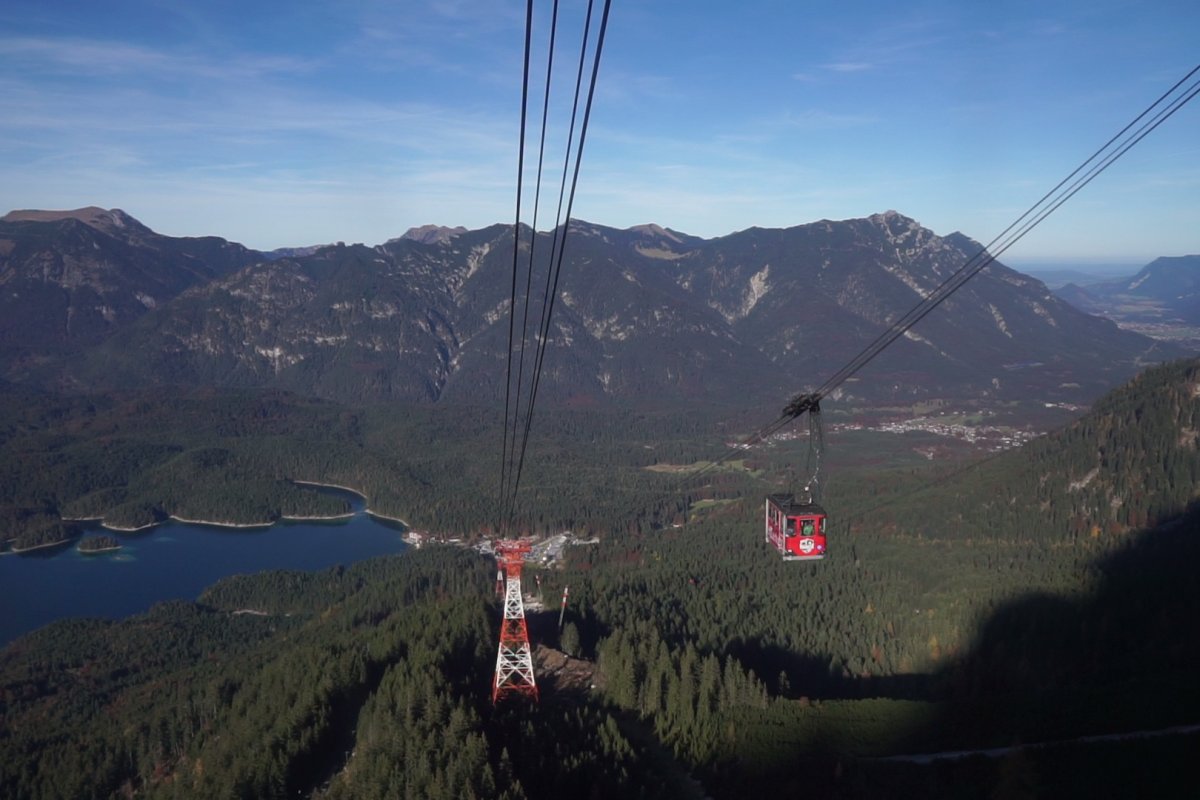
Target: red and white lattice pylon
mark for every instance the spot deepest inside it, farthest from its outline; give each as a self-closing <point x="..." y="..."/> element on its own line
<point x="514" y="661"/>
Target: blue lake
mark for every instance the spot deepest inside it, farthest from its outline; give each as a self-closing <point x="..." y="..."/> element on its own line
<point x="173" y="560"/>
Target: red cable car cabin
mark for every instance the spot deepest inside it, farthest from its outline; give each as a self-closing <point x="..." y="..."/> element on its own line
<point x="796" y="530"/>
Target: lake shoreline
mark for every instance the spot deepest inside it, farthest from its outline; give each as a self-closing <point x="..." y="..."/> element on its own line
<point x="349" y="489"/>
<point x="99" y="551"/>
<point x="389" y="519"/>
<point x="368" y="510"/>
<point x="236" y="525"/>
<point x="122" y="529"/>
<point x="17" y="551"/>
<point x="177" y="561"/>
<point x="299" y="518"/>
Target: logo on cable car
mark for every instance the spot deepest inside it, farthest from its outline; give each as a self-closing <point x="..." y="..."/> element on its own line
<point x="807" y="545"/>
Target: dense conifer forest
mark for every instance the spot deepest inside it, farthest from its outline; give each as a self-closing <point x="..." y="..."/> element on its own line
<point x="133" y="460"/>
<point x="1042" y="595"/>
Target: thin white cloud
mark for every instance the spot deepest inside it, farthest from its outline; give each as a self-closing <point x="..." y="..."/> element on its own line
<point x="76" y="54"/>
<point x="621" y="85"/>
<point x="91" y="58"/>
<point x="240" y="114"/>
<point x="848" y="66"/>
<point x="889" y="45"/>
<point x="430" y="38"/>
<point x="814" y="119"/>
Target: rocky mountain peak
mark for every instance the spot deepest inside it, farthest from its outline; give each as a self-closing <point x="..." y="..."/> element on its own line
<point x="432" y="234"/>
<point x="891" y="215"/>
<point x="898" y="227"/>
<point x="656" y="231"/>
<point x="655" y="241"/>
<point x="107" y="220"/>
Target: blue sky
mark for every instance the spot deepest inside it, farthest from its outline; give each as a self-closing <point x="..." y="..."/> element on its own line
<point x="280" y="124"/>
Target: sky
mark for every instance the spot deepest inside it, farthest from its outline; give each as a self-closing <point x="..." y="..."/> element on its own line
<point x="288" y="124"/>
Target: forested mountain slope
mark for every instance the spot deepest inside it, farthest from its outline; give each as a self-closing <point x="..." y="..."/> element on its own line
<point x="134" y="458"/>
<point x="1131" y="463"/>
<point x="201" y="701"/>
<point x="1017" y="601"/>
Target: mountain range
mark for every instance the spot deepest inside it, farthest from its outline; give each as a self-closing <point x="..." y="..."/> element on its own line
<point x="1170" y="284"/>
<point x="93" y="299"/>
<point x="1162" y="300"/>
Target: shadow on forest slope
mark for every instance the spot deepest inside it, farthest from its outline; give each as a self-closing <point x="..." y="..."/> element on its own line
<point x="1042" y="669"/>
<point x="813" y="673"/>
<point x="1046" y="668"/>
<point x="1132" y="634"/>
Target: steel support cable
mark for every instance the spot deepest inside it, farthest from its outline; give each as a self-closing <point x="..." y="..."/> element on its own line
<point x="509" y="510"/>
<point x="989" y="254"/>
<point x="557" y="237"/>
<point x="566" y="169"/>
<point x="1015" y="231"/>
<point x="510" y="452"/>
<point x="516" y="256"/>
<point x="1034" y="216"/>
<point x="553" y="294"/>
<point x="559" y="231"/>
<point x="545" y="335"/>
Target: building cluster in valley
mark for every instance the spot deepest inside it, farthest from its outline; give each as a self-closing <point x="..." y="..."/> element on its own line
<point x="990" y="437"/>
<point x="546" y="552"/>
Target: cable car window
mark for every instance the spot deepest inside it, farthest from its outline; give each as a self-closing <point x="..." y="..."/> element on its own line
<point x="807" y="527"/>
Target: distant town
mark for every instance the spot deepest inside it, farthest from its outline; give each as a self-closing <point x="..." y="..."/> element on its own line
<point x="547" y="552"/>
<point x="992" y="438"/>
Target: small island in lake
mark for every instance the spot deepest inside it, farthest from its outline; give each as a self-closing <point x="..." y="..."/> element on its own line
<point x="99" y="544"/>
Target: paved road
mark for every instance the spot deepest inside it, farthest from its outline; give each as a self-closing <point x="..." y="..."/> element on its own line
<point x="997" y="752"/>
